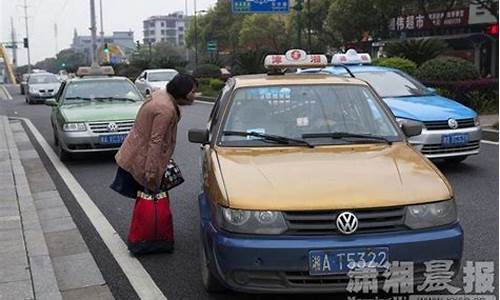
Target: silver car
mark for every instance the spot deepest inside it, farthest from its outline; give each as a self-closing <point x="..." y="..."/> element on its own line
<point x="41" y="86"/>
<point x="154" y="79"/>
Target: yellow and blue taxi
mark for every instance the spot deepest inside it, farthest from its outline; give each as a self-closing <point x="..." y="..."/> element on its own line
<point x="308" y="176"/>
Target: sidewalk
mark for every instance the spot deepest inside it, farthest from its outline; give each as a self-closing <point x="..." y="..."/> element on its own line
<point x="489" y="132"/>
<point x="42" y="253"/>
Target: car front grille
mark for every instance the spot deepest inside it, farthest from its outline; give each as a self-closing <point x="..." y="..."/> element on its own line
<point x="323" y="222"/>
<point x="439" y="149"/>
<point x="440" y="125"/>
<point x="102" y="127"/>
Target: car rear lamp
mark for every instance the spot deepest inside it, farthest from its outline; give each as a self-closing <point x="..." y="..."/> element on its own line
<point x="351" y="57"/>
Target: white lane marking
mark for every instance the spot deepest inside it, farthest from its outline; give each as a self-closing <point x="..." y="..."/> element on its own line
<point x="204" y="102"/>
<point x="489" y="142"/>
<point x="6" y="92"/>
<point x="138" y="277"/>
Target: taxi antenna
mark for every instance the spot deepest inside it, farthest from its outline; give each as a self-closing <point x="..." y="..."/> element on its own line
<point x="347" y="69"/>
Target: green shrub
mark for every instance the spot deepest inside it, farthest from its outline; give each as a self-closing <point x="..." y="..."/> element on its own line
<point x="207" y="70"/>
<point x="399" y="63"/>
<point x="216" y="84"/>
<point x="418" y="51"/>
<point x="447" y="69"/>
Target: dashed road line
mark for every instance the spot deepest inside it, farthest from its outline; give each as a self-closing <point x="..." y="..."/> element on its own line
<point x="138" y="277"/>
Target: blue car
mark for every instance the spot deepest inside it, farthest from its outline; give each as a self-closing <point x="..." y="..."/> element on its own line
<point x="451" y="130"/>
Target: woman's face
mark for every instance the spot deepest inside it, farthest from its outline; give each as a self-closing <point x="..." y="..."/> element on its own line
<point x="191" y="95"/>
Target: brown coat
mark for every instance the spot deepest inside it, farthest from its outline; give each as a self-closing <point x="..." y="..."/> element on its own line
<point x="151" y="141"/>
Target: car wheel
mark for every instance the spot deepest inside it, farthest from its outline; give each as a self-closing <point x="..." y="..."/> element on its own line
<point x="56" y="139"/>
<point x="455" y="160"/>
<point x="63" y="154"/>
<point x="22" y="91"/>
<point x="210" y="282"/>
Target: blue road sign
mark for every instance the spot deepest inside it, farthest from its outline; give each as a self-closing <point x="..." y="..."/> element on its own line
<point x="260" y="6"/>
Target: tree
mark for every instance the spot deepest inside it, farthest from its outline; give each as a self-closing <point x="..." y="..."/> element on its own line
<point x="418" y="51"/>
<point x="71" y="59"/>
<point x="166" y="56"/>
<point x="264" y="32"/>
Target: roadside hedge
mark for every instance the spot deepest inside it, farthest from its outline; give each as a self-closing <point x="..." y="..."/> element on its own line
<point x="447" y="68"/>
<point x="207" y="70"/>
<point x="399" y="63"/>
<point x="480" y="95"/>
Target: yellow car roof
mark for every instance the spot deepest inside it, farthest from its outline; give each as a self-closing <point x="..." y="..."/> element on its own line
<point x="293" y="78"/>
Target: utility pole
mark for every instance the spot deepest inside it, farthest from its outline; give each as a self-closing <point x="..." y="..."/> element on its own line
<point x="93" y="30"/>
<point x="27" y="34"/>
<point x="185" y="19"/>
<point x="55" y="36"/>
<point x="298" y="7"/>
<point x="14" y="42"/>
<point x="195" y="38"/>
<point x="102" y="24"/>
<point x="309" y="44"/>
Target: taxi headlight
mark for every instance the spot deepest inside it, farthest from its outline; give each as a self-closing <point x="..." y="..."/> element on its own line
<point x="250" y="222"/>
<point x="74" y="127"/>
<point x="431" y="215"/>
<point x="401" y="121"/>
<point x="476" y="121"/>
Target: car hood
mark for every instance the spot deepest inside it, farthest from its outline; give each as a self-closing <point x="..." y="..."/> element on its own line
<point x="45" y="86"/>
<point x="158" y="84"/>
<point x="326" y="178"/>
<point x="95" y="111"/>
<point x="428" y="108"/>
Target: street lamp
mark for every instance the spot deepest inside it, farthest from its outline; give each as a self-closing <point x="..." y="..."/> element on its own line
<point x="196" y="35"/>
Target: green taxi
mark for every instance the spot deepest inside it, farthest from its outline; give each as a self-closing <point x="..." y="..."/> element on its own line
<point x="93" y="112"/>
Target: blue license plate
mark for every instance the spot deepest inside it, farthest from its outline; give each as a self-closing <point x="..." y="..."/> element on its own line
<point x="325" y="262"/>
<point x="456" y="139"/>
<point x="112" y="139"/>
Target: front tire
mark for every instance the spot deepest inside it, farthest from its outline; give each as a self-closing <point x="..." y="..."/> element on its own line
<point x="210" y="282"/>
<point x="63" y="154"/>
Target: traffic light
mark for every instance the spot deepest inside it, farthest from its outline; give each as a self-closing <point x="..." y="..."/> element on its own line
<point x="25" y="43"/>
<point x="106" y="49"/>
<point x="492" y="29"/>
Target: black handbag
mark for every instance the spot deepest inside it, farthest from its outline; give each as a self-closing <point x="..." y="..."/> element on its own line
<point x="173" y="176"/>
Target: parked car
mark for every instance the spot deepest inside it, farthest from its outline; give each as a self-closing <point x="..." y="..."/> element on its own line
<point x="308" y="176"/>
<point x="94" y="112"/>
<point x="41" y="86"/>
<point x="451" y="130"/>
<point x="154" y="79"/>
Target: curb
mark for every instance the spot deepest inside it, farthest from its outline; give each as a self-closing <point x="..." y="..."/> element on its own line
<point x="41" y="265"/>
<point x="205" y="99"/>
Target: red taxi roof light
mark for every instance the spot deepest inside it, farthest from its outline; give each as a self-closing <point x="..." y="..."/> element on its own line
<point x="296" y="58"/>
<point x="351" y="57"/>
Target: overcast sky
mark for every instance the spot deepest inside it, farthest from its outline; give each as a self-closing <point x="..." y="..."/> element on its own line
<point x="119" y="15"/>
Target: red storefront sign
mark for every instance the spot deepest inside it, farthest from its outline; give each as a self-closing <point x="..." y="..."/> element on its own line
<point x="453" y="18"/>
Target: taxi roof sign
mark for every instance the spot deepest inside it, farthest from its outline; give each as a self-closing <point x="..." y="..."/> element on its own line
<point x="351" y="57"/>
<point x="295" y="58"/>
<point x="95" y="71"/>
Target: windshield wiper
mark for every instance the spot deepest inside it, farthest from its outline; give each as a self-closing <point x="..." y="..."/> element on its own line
<point x="269" y="137"/>
<point x="343" y="135"/>
<point x="114" y="98"/>
<point x="77" y="98"/>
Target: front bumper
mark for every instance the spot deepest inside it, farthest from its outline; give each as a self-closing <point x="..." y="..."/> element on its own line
<point x="39" y="97"/>
<point x="85" y="142"/>
<point x="279" y="264"/>
<point x="429" y="143"/>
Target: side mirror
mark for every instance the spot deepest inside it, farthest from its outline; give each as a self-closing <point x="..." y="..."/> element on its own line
<point x="199" y="136"/>
<point x="51" y="102"/>
<point x="431" y="90"/>
<point x="411" y="128"/>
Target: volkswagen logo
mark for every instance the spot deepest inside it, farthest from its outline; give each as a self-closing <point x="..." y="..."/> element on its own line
<point x="112" y="127"/>
<point x="347" y="223"/>
<point x="453" y="123"/>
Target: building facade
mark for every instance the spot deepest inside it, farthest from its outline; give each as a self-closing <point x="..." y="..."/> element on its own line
<point x="170" y="29"/>
<point x="123" y="39"/>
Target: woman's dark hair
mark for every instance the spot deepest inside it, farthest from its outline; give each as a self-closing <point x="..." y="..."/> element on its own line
<point x="181" y="85"/>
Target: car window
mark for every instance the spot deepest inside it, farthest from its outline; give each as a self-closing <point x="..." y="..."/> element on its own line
<point x="295" y="110"/>
<point x="86" y="90"/>
<point x="161" y="76"/>
<point x="39" y="79"/>
<point x="393" y="84"/>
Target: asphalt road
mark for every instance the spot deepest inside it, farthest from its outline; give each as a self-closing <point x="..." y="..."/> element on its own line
<point x="475" y="183"/>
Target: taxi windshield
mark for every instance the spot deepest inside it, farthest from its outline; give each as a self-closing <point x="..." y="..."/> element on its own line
<point x="102" y="90"/>
<point x="41" y="79"/>
<point x="317" y="113"/>
<point x="161" y="76"/>
<point x="393" y="84"/>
